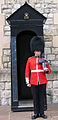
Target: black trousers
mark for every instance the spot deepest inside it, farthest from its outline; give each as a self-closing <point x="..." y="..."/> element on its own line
<point x="38" y="92"/>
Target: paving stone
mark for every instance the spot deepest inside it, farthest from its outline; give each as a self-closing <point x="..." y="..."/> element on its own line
<point x="3" y="117"/>
<point x="55" y="118"/>
<point x="7" y="114"/>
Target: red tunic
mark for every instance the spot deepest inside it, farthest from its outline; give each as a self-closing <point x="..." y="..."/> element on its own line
<point x="37" y="72"/>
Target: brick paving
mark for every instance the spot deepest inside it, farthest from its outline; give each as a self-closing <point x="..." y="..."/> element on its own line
<point x="7" y="114"/>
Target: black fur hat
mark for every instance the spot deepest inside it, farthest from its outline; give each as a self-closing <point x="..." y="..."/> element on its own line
<point x="37" y="43"/>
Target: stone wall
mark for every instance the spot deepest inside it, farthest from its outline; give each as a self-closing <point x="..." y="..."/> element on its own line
<point x="5" y="87"/>
<point x="6" y="58"/>
<point x="52" y="86"/>
<point x="49" y="8"/>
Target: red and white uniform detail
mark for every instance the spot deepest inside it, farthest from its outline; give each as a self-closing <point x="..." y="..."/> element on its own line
<point x="37" y="68"/>
<point x="37" y="72"/>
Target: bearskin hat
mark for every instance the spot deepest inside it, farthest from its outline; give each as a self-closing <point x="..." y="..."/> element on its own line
<point x="37" y="43"/>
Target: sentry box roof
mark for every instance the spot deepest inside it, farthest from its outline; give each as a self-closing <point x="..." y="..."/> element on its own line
<point x="26" y="12"/>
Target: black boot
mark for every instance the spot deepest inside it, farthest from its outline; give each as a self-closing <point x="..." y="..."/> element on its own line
<point x="35" y="116"/>
<point x="43" y="116"/>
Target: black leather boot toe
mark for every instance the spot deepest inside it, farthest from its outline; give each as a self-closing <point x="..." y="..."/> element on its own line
<point x="35" y="116"/>
<point x="43" y="116"/>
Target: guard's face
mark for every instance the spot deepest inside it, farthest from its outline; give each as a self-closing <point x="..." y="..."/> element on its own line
<point x="37" y="53"/>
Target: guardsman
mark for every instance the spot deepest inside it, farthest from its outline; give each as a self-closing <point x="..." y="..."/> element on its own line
<point x="37" y="81"/>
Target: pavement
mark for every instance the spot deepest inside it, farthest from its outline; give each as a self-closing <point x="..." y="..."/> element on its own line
<point x="7" y="114"/>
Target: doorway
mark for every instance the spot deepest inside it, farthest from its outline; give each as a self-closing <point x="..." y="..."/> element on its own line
<point x="23" y="52"/>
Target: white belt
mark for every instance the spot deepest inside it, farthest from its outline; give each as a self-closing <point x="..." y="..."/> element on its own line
<point x="37" y="70"/>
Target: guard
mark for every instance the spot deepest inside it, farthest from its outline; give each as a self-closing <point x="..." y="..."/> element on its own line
<point x="37" y="81"/>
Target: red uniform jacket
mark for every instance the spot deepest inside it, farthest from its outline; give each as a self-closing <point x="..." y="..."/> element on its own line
<point x="37" y="73"/>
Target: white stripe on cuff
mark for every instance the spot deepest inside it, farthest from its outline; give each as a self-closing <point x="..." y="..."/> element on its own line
<point x="27" y="80"/>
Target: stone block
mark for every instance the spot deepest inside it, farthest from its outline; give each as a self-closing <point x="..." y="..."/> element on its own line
<point x="19" y="1"/>
<point x="55" y="18"/>
<point x="47" y="50"/>
<point x="52" y="5"/>
<point x="9" y="65"/>
<point x="55" y="41"/>
<point x="10" y="6"/>
<point x="37" y="5"/>
<point x="41" y="10"/>
<point x="4" y="51"/>
<point x="55" y="63"/>
<point x="45" y="14"/>
<point x="56" y="57"/>
<point x="5" y="76"/>
<point x="2" y="77"/>
<point x="48" y="44"/>
<point x="47" y="10"/>
<point x="7" y="33"/>
<point x="55" y="50"/>
<point x="7" y="28"/>
<point x="48" y="37"/>
<point x="55" y="84"/>
<point x="51" y="57"/>
<point x="51" y="76"/>
<point x="55" y="32"/>
<point x="23" y="1"/>
<point x="50" y="32"/>
<point x="49" y="92"/>
<point x="5" y="65"/>
<point x="49" y="99"/>
<point x="9" y="1"/>
<point x="4" y="43"/>
<point x="1" y="86"/>
<point x="9" y="77"/>
<point x="49" y="85"/>
<point x="49" y="21"/>
<point x="46" y="27"/>
<point x="7" y="15"/>
<point x="50" y="15"/>
<point x="49" y="1"/>
<point x="44" y="5"/>
<point x="7" y="11"/>
<point x="37" y="1"/>
<point x="13" y="10"/>
<point x="55" y="91"/>
<point x="55" y="99"/>
<point x="5" y="58"/>
<point x="7" y="86"/>
<point x="4" y="101"/>
<point x="6" y="94"/>
<point x="16" y="6"/>
<point x="7" y="51"/>
<point x="54" y="10"/>
<point x="4" y="6"/>
<point x="54" y="69"/>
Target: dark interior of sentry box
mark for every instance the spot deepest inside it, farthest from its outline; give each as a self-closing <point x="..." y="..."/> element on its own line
<point x="23" y="52"/>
